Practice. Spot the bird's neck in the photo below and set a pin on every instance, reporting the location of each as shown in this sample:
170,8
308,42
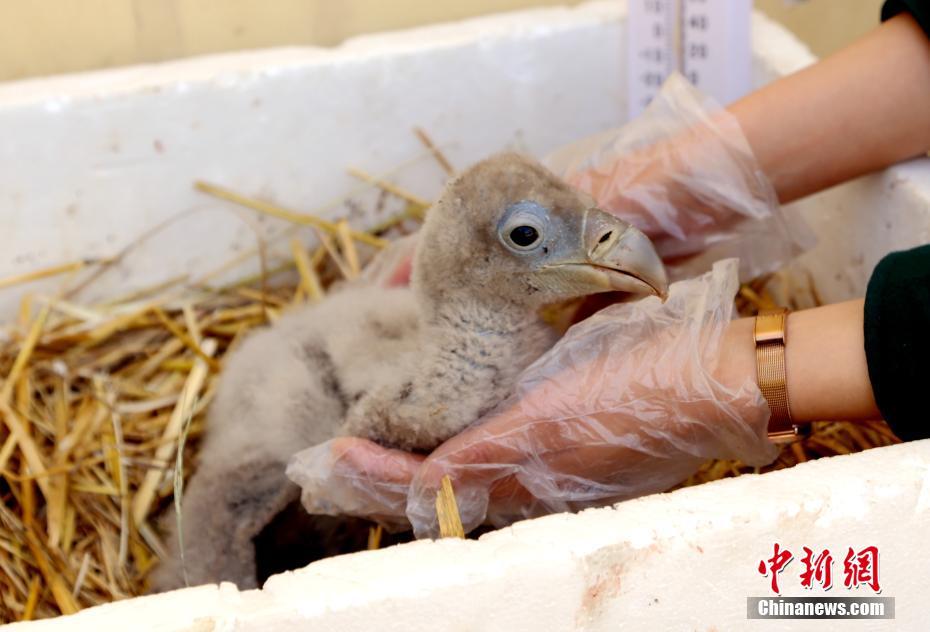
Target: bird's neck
494,340
481,317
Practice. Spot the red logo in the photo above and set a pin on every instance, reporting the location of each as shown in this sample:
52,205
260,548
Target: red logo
775,565
860,568
817,569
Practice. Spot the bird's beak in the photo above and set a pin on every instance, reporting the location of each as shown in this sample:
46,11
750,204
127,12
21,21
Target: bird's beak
617,257
624,253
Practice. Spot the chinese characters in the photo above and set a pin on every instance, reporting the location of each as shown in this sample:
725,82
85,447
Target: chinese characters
860,568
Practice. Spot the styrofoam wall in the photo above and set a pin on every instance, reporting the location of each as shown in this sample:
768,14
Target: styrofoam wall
90,161
680,561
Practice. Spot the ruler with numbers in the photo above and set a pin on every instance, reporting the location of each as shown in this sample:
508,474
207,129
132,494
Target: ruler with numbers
708,41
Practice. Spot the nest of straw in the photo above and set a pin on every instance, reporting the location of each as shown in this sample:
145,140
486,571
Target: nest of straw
100,403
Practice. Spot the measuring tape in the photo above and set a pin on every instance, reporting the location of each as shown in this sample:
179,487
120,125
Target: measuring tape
708,41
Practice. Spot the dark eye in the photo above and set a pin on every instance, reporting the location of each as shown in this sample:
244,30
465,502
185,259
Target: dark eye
524,236
524,227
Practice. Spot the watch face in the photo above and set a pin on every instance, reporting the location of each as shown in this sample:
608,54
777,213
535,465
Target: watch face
796,433
770,327
783,436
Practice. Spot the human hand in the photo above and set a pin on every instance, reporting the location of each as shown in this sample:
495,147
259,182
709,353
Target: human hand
684,173
629,402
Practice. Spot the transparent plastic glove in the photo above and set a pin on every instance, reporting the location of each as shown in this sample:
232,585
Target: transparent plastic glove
355,477
392,266
627,403
684,173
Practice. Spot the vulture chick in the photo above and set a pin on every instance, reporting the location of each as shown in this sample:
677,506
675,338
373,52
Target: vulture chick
406,367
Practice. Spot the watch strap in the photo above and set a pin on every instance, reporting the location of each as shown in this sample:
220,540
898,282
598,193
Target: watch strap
770,335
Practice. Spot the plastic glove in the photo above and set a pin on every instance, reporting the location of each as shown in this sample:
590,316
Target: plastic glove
684,173
627,403
392,266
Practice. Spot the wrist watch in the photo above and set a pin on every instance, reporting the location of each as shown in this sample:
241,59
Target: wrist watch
770,334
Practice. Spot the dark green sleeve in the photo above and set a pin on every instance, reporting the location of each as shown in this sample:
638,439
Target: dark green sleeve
897,340
920,9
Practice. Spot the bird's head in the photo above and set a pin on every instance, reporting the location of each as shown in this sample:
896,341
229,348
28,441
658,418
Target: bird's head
508,231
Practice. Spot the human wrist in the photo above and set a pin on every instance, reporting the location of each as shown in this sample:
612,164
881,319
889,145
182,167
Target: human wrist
828,376
825,365
736,362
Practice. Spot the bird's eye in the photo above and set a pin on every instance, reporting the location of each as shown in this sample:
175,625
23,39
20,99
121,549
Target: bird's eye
523,227
524,236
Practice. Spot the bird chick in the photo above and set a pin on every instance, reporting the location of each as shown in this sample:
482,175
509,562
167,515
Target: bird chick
406,367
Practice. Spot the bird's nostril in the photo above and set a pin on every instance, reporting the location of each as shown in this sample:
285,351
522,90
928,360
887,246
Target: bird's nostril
605,236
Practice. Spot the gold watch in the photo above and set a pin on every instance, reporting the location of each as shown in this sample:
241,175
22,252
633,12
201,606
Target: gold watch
770,335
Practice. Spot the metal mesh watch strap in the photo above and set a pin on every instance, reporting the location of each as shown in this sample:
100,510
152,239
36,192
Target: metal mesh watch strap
770,335
770,368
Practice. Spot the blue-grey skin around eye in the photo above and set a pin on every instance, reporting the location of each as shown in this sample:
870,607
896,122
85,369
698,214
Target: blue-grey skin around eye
558,234
593,238
523,215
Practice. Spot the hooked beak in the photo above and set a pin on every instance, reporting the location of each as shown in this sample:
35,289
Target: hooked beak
618,257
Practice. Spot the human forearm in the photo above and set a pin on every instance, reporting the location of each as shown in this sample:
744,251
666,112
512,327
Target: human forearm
858,111
825,362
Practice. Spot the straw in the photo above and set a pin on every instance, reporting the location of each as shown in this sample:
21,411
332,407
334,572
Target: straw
192,387
390,187
437,154
309,279
282,213
374,537
50,271
447,511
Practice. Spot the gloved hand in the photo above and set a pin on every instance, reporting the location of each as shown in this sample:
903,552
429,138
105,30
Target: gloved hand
684,173
629,402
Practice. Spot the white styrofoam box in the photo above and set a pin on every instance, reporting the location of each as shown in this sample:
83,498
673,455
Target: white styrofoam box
90,161
860,222
680,561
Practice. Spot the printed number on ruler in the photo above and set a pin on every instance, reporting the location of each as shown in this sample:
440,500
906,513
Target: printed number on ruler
651,37
706,40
